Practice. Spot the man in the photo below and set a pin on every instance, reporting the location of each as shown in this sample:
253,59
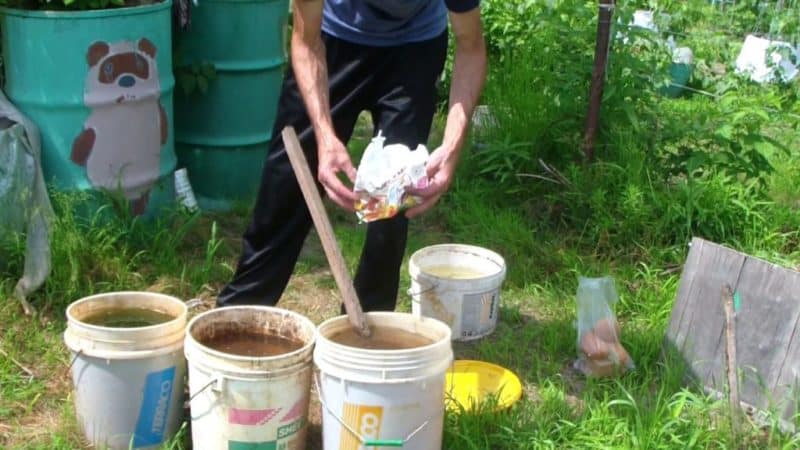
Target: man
349,56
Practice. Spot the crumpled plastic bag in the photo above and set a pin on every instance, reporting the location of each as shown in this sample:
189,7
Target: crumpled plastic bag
600,353
764,60
24,204
383,176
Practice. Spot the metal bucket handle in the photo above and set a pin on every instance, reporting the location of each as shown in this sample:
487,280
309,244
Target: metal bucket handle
218,382
428,289
366,442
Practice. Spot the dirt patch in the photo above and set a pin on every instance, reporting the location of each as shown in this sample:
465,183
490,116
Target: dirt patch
36,430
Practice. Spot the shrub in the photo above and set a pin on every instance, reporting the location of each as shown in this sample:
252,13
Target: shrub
667,169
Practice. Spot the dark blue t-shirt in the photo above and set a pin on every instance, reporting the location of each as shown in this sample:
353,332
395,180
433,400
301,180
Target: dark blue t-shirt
389,22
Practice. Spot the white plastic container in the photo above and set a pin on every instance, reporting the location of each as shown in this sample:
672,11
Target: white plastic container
243,402
468,305
371,397
129,382
761,59
183,190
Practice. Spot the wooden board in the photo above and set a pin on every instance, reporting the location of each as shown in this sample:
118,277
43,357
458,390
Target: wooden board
767,325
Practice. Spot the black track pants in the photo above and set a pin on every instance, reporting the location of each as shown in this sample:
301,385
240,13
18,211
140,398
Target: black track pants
397,85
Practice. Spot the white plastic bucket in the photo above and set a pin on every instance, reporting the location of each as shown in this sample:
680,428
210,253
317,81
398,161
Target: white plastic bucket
389,396
468,305
244,402
129,382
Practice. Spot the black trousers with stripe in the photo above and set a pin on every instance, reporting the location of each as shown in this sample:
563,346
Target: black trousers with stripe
397,86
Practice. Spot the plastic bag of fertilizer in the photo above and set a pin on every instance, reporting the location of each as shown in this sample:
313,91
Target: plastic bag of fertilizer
384,174
600,353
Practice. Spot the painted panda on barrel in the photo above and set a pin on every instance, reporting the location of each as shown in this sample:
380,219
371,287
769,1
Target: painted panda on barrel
120,144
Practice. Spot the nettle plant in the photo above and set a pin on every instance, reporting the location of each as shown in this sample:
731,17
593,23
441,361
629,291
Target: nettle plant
726,136
192,78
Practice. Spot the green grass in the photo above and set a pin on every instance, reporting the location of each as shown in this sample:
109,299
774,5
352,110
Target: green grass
189,256
629,215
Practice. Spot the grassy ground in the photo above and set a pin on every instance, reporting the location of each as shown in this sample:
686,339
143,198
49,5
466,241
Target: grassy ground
191,257
666,170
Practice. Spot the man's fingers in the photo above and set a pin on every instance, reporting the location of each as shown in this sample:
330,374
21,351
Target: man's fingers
422,207
351,173
433,188
338,200
338,193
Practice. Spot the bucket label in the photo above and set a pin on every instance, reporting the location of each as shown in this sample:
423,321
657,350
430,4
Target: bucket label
291,429
297,410
157,393
251,417
478,312
287,439
366,420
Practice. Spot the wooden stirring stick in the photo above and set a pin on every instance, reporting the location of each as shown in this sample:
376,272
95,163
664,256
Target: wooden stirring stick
325,231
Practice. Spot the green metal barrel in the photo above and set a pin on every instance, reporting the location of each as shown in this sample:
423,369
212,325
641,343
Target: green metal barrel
222,134
98,84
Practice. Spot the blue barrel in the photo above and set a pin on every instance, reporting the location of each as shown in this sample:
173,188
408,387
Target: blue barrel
98,84
222,134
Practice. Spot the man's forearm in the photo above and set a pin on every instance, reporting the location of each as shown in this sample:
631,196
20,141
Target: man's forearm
310,67
469,74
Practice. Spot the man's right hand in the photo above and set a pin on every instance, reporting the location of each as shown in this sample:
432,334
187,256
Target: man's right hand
333,160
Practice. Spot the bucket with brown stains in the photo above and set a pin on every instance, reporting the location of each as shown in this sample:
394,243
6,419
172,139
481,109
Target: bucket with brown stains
249,377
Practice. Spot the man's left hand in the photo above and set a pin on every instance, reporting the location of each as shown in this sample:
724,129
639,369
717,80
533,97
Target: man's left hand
440,168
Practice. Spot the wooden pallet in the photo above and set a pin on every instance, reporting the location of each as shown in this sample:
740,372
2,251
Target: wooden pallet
767,317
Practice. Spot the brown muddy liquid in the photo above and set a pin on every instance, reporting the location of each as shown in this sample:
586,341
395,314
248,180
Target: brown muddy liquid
127,317
243,343
383,338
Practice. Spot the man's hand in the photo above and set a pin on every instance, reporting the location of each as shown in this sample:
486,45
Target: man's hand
333,160
440,168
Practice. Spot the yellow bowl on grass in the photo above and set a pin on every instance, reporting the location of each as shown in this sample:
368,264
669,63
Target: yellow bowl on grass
469,383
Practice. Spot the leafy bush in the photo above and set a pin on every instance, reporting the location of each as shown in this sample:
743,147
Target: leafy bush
538,92
667,169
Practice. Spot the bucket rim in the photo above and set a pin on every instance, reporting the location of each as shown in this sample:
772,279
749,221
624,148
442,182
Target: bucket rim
71,319
73,344
347,376
343,318
482,252
241,358
86,14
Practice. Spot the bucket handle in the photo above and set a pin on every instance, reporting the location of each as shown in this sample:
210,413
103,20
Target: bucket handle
412,294
218,381
192,305
366,442
74,358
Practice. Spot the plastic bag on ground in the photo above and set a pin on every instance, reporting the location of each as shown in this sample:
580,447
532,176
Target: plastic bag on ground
24,204
383,176
600,353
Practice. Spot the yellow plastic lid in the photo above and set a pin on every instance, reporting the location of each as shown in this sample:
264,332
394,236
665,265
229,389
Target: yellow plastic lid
469,383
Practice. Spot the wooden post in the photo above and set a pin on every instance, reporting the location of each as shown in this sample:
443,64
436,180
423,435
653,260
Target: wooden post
604,15
730,357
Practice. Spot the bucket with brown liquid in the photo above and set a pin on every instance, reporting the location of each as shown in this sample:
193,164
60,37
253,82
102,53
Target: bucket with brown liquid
386,390
249,377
